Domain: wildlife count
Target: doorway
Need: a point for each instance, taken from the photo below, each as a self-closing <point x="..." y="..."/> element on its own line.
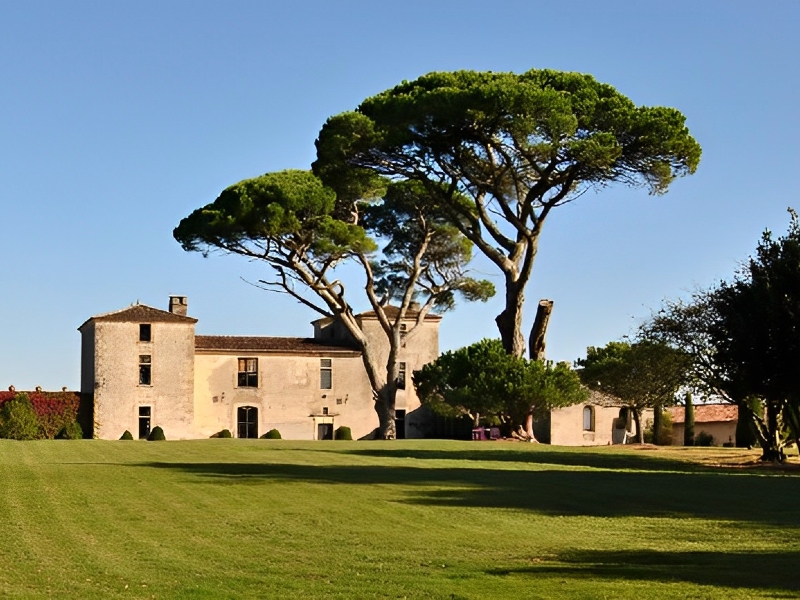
<point x="247" y="420"/>
<point x="400" y="424"/>
<point x="325" y="431"/>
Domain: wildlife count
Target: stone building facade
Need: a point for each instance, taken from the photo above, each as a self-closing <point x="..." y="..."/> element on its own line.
<point x="144" y="367"/>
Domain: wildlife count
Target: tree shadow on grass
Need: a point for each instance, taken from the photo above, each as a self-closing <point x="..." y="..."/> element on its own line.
<point x="755" y="570"/>
<point x="716" y="495"/>
<point x="598" y="459"/>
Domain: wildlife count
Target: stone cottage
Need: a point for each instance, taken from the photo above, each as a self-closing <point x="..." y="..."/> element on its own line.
<point x="143" y="367"/>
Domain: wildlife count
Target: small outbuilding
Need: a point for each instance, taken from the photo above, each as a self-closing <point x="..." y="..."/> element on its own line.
<point x="717" y="420"/>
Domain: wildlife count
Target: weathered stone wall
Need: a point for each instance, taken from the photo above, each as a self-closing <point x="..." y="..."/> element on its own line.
<point x="566" y="426"/>
<point x="117" y="392"/>
<point x="288" y="397"/>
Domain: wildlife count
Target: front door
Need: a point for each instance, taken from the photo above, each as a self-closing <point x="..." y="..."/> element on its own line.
<point x="400" y="424"/>
<point x="144" y="422"/>
<point x="247" y="417"/>
<point x="325" y="431"/>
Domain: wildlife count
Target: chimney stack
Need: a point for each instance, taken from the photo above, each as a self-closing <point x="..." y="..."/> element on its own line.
<point x="178" y="305"/>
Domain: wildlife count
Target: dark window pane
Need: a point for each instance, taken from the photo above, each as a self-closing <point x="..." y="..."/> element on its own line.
<point x="144" y="374"/>
<point x="145" y="332"/>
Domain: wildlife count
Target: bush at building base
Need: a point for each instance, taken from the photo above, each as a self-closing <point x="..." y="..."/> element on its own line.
<point x="343" y="433"/>
<point x="272" y="434"/>
<point x="156" y="435"/>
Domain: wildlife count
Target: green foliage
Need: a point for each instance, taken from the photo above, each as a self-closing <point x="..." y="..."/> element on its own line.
<point x="659" y="431"/>
<point x="126" y="436"/>
<point x="484" y="381"/>
<point x="71" y="431"/>
<point x="343" y="433"/>
<point x="288" y="210"/>
<point x="225" y="433"/>
<point x="643" y="374"/>
<point x="704" y="439"/>
<point x="18" y="420"/>
<point x="742" y="338"/>
<point x="497" y="151"/>
<point x="272" y="434"/>
<point x="156" y="435"/>
<point x="407" y="218"/>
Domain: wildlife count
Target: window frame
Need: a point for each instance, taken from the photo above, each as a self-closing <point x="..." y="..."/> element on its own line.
<point x="145" y="370"/>
<point x="323" y="370"/>
<point x="145" y="337"/>
<point x="148" y="416"/>
<point x="247" y="378"/>
<point x="401" y="375"/>
<point x="590" y="413"/>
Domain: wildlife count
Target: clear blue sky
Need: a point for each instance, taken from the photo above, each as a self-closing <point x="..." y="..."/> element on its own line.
<point x="117" y="119"/>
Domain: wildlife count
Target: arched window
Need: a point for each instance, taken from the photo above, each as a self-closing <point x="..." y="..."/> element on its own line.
<point x="588" y="418"/>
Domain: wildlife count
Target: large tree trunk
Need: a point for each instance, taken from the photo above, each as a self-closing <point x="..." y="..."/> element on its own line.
<point x="384" y="406"/>
<point x="637" y="418"/>
<point x="536" y="341"/>
<point x="509" y="322"/>
<point x="774" y="451"/>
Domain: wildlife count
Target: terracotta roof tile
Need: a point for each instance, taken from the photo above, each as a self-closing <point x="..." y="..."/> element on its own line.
<point x="706" y="413"/>
<point x="141" y="313"/>
<point x="277" y="345"/>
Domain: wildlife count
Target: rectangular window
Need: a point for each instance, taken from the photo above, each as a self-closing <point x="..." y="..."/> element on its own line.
<point x="403" y="334"/>
<point x="145" y="332"/>
<point x="145" y="372"/>
<point x="325" y="374"/>
<point x="144" y="422"/>
<point x="401" y="376"/>
<point x="248" y="372"/>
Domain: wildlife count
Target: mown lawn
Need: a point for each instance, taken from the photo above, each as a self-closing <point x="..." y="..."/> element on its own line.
<point x="406" y="519"/>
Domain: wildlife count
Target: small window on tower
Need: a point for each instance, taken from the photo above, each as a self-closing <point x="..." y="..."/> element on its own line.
<point x="145" y="369"/>
<point x="145" y="332"/>
<point x="401" y="376"/>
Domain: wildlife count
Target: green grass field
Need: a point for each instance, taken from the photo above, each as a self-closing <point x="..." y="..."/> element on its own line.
<point x="406" y="519"/>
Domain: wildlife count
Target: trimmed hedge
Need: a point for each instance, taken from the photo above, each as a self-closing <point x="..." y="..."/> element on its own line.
<point x="272" y="434"/>
<point x="225" y="433"/>
<point x="343" y="433"/>
<point x="156" y="435"/>
<point x="127" y="435"/>
<point x="18" y="420"/>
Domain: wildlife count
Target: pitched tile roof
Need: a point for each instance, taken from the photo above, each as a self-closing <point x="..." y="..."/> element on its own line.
<point x="273" y="345"/>
<point x="706" y="413"/>
<point x="141" y="313"/>
<point x="392" y="312"/>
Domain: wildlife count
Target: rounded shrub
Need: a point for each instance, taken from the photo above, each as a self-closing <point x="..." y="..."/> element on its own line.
<point x="156" y="435"/>
<point x="343" y="433"/>
<point x="225" y="433"/>
<point x="126" y="436"/>
<point x="70" y="431"/>
<point x="272" y="434"/>
<point x="703" y="439"/>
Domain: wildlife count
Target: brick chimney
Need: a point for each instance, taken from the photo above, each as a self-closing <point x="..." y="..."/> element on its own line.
<point x="178" y="305"/>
